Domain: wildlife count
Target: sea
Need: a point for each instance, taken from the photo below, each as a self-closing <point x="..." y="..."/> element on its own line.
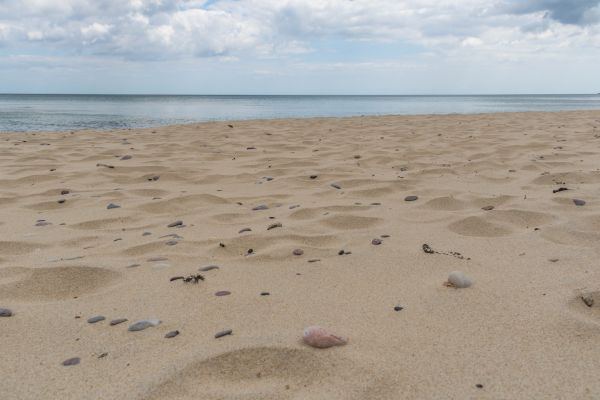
<point x="68" y="112"/>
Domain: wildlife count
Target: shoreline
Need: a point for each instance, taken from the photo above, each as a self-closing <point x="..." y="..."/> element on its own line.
<point x="98" y="223"/>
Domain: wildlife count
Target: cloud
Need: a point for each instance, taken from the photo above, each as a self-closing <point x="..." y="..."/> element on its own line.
<point x="181" y="29"/>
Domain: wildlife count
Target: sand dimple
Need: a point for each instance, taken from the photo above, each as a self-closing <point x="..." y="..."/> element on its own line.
<point x="104" y="223"/>
<point x="17" y="248"/>
<point x="445" y="204"/>
<point x="478" y="226"/>
<point x="350" y="222"/>
<point x="182" y="204"/>
<point x="250" y="373"/>
<point x="41" y="284"/>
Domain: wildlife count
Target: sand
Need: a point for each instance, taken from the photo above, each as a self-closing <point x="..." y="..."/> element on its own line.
<point x="521" y="331"/>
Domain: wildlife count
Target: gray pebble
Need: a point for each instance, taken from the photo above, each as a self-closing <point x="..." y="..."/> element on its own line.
<point x="71" y="361"/>
<point x="376" y="242"/>
<point x="95" y="319"/>
<point x="298" y="252"/>
<point x="487" y="208"/>
<point x="118" y="321"/>
<point x="579" y="202"/>
<point x="154" y="259"/>
<point x="127" y="157"/>
<point x="171" y="334"/>
<point x="5" y="312"/>
<point x="209" y="268"/>
<point x="459" y="280"/>
<point x="112" y="205"/>
<point x="335" y="186"/>
<point x="223" y="333"/>
<point x="146" y="233"/>
<point x="588" y="300"/>
<point x="141" y="325"/>
<point x="260" y="207"/>
<point x="410" y="198"/>
<point x="174" y="224"/>
<point x="275" y="225"/>
<point x="171" y="242"/>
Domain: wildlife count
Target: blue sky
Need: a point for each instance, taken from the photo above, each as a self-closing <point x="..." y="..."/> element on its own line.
<point x="300" y="46"/>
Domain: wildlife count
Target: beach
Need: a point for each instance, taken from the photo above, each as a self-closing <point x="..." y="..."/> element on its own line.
<point x="310" y="222"/>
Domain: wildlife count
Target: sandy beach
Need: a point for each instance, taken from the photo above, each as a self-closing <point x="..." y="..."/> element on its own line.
<point x="84" y="224"/>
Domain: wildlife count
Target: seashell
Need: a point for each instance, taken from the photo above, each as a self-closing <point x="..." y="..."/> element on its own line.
<point x="320" y="338"/>
<point x="458" y="279"/>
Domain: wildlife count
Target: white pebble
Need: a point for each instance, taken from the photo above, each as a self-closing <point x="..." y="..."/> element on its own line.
<point x="458" y="279"/>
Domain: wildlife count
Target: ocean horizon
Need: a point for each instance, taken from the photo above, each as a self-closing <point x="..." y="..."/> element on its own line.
<point x="63" y="112"/>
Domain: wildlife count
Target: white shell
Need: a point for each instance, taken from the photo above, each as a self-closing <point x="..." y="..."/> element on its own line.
<point x="320" y="338"/>
<point x="458" y="279"/>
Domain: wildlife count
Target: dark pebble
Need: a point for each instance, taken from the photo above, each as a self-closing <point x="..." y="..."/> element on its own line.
<point x="336" y="186"/>
<point x="265" y="293"/>
<point x="341" y="253"/>
<point x="112" y="205"/>
<point x="487" y="208"/>
<point x="588" y="300"/>
<point x="313" y="176"/>
<point x="398" y="308"/>
<point x="128" y="157"/>
<point x="410" y="198"/>
<point x="376" y="242"/>
<point x="176" y="278"/>
<point x="245" y="230"/>
<point x="579" y="202"/>
<point x="141" y="325"/>
<point x="223" y="293"/>
<point x="95" y="319"/>
<point x="63" y="192"/>
<point x="133" y="266"/>
<point x="275" y="225"/>
<point x="154" y="178"/>
<point x="5" y="312"/>
<point x="260" y="207"/>
<point x="102" y="355"/>
<point x="171" y="242"/>
<point x="250" y="251"/>
<point x="208" y="268"/>
<point x="427" y="249"/>
<point x="174" y="224"/>
<point x="223" y="333"/>
<point x="385" y="236"/>
<point x="221" y="244"/>
<point x="479" y="386"/>
<point x="171" y="334"/>
<point x="146" y="233"/>
<point x="298" y="252"/>
<point x="117" y="321"/>
<point x="61" y="201"/>
<point x="71" y="361"/>
<point x="313" y="260"/>
<point x="560" y="189"/>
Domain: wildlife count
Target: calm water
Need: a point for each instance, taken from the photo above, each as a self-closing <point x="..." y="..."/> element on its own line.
<point x="70" y="112"/>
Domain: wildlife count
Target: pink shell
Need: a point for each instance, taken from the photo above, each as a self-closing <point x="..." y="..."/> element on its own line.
<point x="318" y="337"/>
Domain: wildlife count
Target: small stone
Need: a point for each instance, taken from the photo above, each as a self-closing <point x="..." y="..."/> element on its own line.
<point x="118" y="321"/>
<point x="127" y="157"/>
<point x="95" y="319"/>
<point x="376" y="242"/>
<point x="318" y="337"/>
<point x="314" y="260"/>
<point x="171" y="334"/>
<point x="335" y="186"/>
<point x="245" y="230"/>
<point x="146" y="233"/>
<point x="341" y="253"/>
<point x="579" y="202"/>
<point x="298" y="252"/>
<point x="357" y="156"/>
<point x="63" y="192"/>
<point x="61" y="201"/>
<point x="265" y="293"/>
<point x="588" y="300"/>
<point x="385" y="236"/>
<point x="398" y="308"/>
<point x="479" y="386"/>
<point x="250" y="251"/>
<point x="223" y="293"/>
<point x="102" y="355"/>
<point x="487" y="208"/>
<point x="71" y="361"/>
<point x="560" y="189"/>
<point x="209" y="268"/>
<point x="458" y="279"/>
<point x="260" y="208"/>
<point x="171" y="242"/>
<point x="314" y="176"/>
<point x="427" y="249"/>
<point x="43" y="223"/>
<point x="410" y="198"/>
<point x="275" y="225"/>
<point x="223" y="333"/>
<point x="5" y="312"/>
<point x="141" y="325"/>
<point x="154" y="178"/>
<point x="112" y="205"/>
<point x="174" y="224"/>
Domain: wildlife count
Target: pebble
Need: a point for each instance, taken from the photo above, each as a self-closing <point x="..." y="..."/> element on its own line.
<point x="313" y="260"/>
<point x="398" y="308"/>
<point x="171" y="242"/>
<point x="146" y="233"/>
<point x="171" y="334"/>
<point x="154" y="178"/>
<point x="410" y="198"/>
<point x="223" y="333"/>
<point x="112" y="205"/>
<point x="265" y="293"/>
<point x="174" y="224"/>
<point x="458" y="279"/>
<point x="141" y="325"/>
<point x="118" y="321"/>
<point x="560" y="189"/>
<point x="376" y="242"/>
<point x="209" y="268"/>
<point x="127" y="157"/>
<point x="275" y="225"/>
<point x="245" y="230"/>
<point x="260" y="208"/>
<point x="133" y="266"/>
<point x="335" y="186"/>
<point x="155" y="259"/>
<point x="71" y="361"/>
<point x="318" y="337"/>
<point x="43" y="223"/>
<point x="61" y="201"/>
<point x="63" y="192"/>
<point x="314" y="176"/>
<point x="487" y="208"/>
<point x="298" y="252"/>
<point x="579" y="202"/>
<point x="294" y="206"/>
<point x="223" y="293"/>
<point x="588" y="300"/>
<point x="5" y="312"/>
<point x="95" y="319"/>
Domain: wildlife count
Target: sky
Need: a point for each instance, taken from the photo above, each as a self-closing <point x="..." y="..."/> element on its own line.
<point x="300" y="46"/>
